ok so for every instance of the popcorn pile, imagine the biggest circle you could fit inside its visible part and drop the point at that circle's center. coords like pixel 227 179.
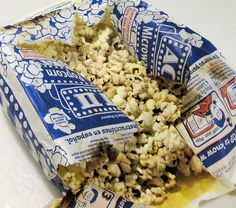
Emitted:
pixel 148 166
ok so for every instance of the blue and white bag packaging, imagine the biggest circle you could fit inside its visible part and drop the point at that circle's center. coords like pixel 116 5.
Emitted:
pixel 62 117
pixel 37 93
pixel 175 52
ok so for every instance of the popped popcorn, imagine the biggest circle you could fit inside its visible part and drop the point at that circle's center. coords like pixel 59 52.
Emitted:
pixel 148 166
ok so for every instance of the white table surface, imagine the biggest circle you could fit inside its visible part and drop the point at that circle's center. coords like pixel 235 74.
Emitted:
pixel 22 184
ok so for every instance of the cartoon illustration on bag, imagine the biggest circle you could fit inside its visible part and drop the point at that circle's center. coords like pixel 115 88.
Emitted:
pixel 89 196
pixel 208 119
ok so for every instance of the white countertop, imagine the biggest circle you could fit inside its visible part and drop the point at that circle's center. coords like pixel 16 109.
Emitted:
pixel 22 183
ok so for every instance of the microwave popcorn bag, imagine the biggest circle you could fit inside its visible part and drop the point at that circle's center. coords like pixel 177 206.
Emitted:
pixel 60 115
pixel 175 52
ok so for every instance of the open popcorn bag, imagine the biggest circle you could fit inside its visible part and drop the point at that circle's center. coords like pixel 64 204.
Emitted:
pixel 115 101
